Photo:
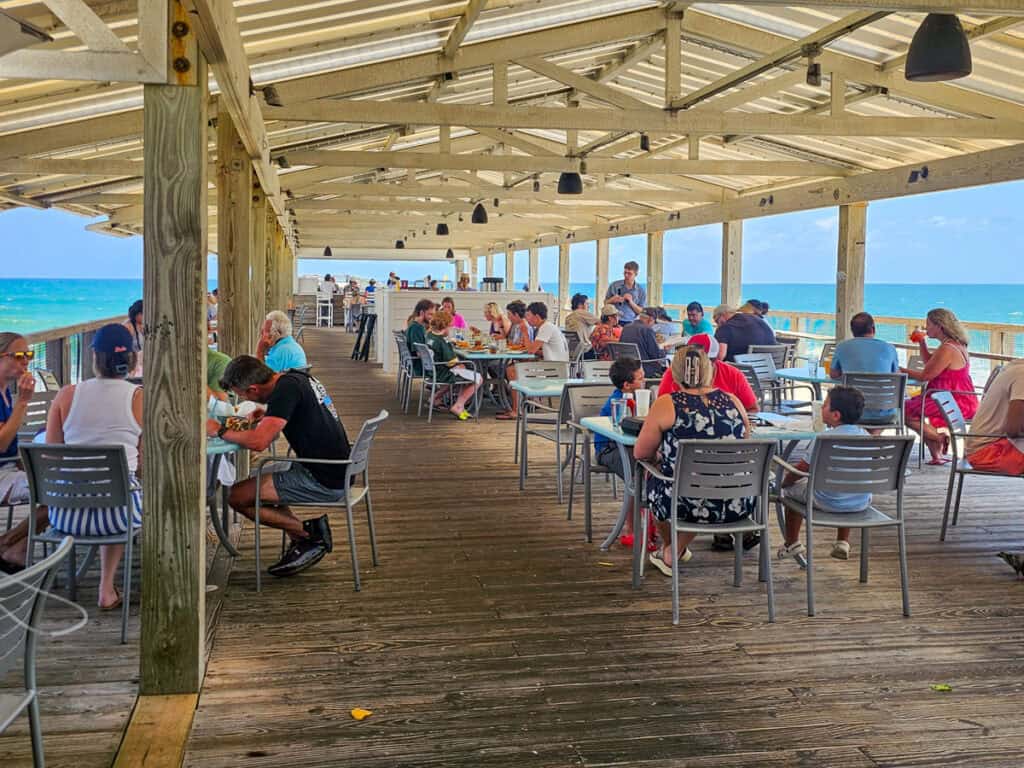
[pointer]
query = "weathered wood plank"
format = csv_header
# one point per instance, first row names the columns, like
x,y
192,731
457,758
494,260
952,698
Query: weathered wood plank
x,y
157,733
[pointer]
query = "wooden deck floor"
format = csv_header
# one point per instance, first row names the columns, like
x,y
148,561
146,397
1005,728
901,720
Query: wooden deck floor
x,y
493,635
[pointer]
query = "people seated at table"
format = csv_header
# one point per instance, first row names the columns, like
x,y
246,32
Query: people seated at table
x,y
104,410
519,334
17,385
697,411
628,296
464,283
727,377
297,405
581,320
999,424
864,354
664,326
416,330
695,321
738,330
548,340
277,347
759,307
608,330
842,409
449,369
448,305
641,332
946,368
500,325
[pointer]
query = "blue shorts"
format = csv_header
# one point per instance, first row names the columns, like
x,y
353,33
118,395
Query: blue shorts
x,y
296,485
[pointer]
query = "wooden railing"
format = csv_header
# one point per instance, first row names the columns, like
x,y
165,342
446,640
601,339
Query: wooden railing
x,y
65,351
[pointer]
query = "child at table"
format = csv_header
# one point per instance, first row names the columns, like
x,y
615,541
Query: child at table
x,y
841,411
627,375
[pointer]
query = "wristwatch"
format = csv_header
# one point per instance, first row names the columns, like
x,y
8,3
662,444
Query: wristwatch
x,y
221,431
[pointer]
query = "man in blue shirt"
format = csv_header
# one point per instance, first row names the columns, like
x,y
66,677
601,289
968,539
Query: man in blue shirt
x,y
865,354
276,347
627,294
695,321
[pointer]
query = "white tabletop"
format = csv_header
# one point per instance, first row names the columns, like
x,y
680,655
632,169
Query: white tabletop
x,y
545,387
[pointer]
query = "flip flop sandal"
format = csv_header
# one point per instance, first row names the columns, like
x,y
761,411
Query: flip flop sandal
x,y
114,605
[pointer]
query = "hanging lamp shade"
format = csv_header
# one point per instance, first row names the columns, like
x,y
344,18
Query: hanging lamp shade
x,y
327,252
939,50
449,254
479,214
399,243
442,229
570,184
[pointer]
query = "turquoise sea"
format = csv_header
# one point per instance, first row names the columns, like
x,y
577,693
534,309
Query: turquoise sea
x,y
28,305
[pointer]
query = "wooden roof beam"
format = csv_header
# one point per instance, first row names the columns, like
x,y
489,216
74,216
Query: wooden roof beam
x,y
462,27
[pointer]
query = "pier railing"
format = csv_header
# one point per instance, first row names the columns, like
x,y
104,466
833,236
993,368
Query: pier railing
x,y
65,351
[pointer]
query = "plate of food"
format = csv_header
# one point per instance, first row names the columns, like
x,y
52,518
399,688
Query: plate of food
x,y
238,423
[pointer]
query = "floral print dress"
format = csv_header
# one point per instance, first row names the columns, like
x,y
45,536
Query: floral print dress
x,y
712,416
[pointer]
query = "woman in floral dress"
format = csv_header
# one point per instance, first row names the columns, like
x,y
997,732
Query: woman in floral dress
x,y
698,411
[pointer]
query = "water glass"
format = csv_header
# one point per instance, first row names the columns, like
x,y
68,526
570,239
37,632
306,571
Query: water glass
x,y
619,409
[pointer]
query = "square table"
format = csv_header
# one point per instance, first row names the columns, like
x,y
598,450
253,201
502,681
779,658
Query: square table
x,y
815,376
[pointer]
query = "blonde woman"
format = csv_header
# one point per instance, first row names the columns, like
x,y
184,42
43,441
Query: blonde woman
x,y
697,411
946,368
500,325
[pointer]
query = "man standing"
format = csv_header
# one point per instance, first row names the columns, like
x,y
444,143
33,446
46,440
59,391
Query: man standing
x,y
642,334
547,338
298,405
627,294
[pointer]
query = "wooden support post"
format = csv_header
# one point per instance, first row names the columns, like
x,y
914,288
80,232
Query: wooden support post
x,y
655,267
499,83
673,56
732,262
274,296
85,369
258,254
853,220
489,265
838,89
602,267
58,360
234,241
563,278
510,269
173,602
534,271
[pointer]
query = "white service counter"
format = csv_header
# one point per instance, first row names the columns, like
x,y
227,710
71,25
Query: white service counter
x,y
393,308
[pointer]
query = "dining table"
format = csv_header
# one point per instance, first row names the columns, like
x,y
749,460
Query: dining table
x,y
495,375
216,450
813,375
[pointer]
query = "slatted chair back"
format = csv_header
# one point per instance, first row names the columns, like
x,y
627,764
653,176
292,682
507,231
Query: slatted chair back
x,y
722,469
781,353
950,412
426,357
572,339
596,370
299,322
828,349
36,414
541,369
359,455
763,364
750,374
860,463
996,370
882,392
586,399
619,349
915,363
77,476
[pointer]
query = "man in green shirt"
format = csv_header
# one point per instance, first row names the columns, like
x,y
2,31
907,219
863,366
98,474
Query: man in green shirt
x,y
416,333
216,362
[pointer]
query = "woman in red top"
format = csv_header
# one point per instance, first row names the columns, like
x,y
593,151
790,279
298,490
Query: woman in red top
x,y
606,331
727,377
946,368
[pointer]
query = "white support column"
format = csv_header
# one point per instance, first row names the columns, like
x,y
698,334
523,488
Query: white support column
x,y
510,268
471,269
853,220
489,265
732,262
563,277
602,267
655,267
534,275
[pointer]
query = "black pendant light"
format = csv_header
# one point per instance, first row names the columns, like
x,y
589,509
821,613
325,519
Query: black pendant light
x,y
479,214
449,254
570,184
939,50
442,230
399,244
327,252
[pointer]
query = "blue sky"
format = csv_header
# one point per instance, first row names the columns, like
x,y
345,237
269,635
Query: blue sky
x,y
965,236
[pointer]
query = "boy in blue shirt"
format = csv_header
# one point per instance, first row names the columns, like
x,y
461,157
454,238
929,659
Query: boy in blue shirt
x,y
841,411
627,375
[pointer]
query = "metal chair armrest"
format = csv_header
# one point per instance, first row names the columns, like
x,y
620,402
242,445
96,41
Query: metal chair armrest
x,y
296,460
654,471
789,467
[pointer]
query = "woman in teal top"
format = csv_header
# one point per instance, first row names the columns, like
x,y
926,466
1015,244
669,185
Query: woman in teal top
x,y
695,322
448,369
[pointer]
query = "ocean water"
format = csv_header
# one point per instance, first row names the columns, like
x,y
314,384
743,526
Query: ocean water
x,y
28,305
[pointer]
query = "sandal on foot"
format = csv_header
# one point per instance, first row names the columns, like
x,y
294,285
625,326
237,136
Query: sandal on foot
x,y
841,550
114,605
506,416
665,567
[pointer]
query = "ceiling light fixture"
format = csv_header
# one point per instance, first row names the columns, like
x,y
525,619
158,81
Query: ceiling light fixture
x,y
449,254
399,244
645,142
479,214
442,229
570,183
939,51
327,252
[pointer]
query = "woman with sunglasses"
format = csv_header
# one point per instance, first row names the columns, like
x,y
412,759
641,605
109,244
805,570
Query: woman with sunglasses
x,y
16,388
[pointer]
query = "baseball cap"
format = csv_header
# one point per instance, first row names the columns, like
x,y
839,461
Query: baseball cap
x,y
113,339
708,342
609,309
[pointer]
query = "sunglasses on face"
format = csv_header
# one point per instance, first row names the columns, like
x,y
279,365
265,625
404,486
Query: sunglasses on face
x,y
19,356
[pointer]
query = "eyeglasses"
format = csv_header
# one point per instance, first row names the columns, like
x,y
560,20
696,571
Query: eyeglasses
x,y
19,356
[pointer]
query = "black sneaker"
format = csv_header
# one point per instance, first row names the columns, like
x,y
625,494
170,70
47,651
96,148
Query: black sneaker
x,y
319,529
300,556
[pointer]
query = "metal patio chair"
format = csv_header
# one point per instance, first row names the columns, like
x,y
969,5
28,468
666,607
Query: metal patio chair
x,y
34,422
883,393
854,464
595,370
782,354
430,381
763,366
584,400
628,349
357,467
299,323
22,601
723,469
536,370
544,421
81,477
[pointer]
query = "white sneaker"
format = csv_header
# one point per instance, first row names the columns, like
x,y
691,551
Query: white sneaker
x,y
841,550
791,550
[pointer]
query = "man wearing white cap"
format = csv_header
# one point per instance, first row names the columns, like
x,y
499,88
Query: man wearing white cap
x,y
728,378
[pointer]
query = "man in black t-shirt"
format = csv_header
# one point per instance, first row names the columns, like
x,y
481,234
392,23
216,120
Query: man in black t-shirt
x,y
298,405
741,330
